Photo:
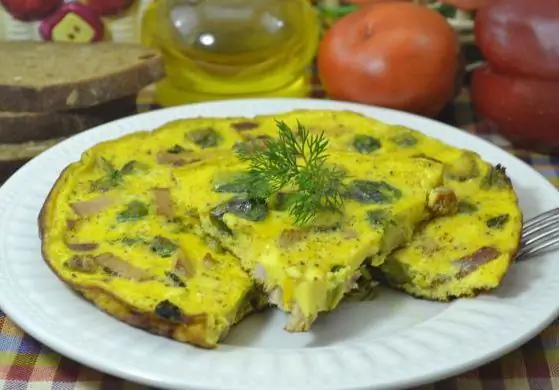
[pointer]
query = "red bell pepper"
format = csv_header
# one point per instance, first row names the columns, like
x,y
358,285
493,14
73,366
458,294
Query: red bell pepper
x,y
525,109
519,90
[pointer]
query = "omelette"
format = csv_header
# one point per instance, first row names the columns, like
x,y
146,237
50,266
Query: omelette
x,y
307,269
137,227
152,228
450,257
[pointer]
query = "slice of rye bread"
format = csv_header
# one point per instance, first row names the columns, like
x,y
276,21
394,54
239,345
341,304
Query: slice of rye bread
x,y
16,127
14,156
26,135
47,76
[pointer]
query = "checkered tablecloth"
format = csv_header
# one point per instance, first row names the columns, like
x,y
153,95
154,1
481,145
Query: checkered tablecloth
x,y
27,364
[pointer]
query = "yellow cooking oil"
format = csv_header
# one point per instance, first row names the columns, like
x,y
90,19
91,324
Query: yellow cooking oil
x,y
224,49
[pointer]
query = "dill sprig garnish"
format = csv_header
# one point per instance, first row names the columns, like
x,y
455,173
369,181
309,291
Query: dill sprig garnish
x,y
297,160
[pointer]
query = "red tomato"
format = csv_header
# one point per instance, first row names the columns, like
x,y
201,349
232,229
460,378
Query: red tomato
x,y
370,2
466,5
524,109
395,54
520,36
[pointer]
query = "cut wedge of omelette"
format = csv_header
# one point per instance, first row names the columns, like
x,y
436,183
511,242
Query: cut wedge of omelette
x,y
469,252
450,257
306,270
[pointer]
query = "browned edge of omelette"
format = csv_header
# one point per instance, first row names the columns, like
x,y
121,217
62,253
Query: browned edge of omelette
x,y
190,328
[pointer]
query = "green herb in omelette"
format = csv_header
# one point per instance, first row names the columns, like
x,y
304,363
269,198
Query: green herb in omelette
x,y
298,160
131,241
367,286
498,222
163,246
465,207
496,177
134,210
366,144
113,177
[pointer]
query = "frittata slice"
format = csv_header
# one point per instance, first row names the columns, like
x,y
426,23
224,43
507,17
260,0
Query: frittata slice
x,y
461,255
432,266
307,270
113,231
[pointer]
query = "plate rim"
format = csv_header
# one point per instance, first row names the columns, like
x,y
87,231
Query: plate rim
x,y
176,112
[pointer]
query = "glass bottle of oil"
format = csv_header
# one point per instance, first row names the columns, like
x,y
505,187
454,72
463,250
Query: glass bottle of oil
x,y
222,49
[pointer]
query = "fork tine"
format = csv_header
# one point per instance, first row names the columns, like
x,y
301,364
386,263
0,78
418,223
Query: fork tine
x,y
547,234
541,217
534,228
540,242
537,247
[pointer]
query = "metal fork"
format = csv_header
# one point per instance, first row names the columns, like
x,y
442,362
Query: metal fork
x,y
539,233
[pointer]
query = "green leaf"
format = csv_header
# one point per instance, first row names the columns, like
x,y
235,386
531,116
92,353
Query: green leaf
x,y
377,218
216,218
366,144
204,138
113,177
405,140
214,244
134,210
336,268
446,10
296,159
106,183
174,279
496,177
129,167
465,207
284,201
163,246
131,241
105,165
498,222
246,208
234,183
176,149
378,192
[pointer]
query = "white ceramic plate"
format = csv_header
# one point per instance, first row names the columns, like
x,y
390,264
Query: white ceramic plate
x,y
392,342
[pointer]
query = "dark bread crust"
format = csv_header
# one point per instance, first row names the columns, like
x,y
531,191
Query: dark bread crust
x,y
22,128
14,156
145,68
38,126
8,168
